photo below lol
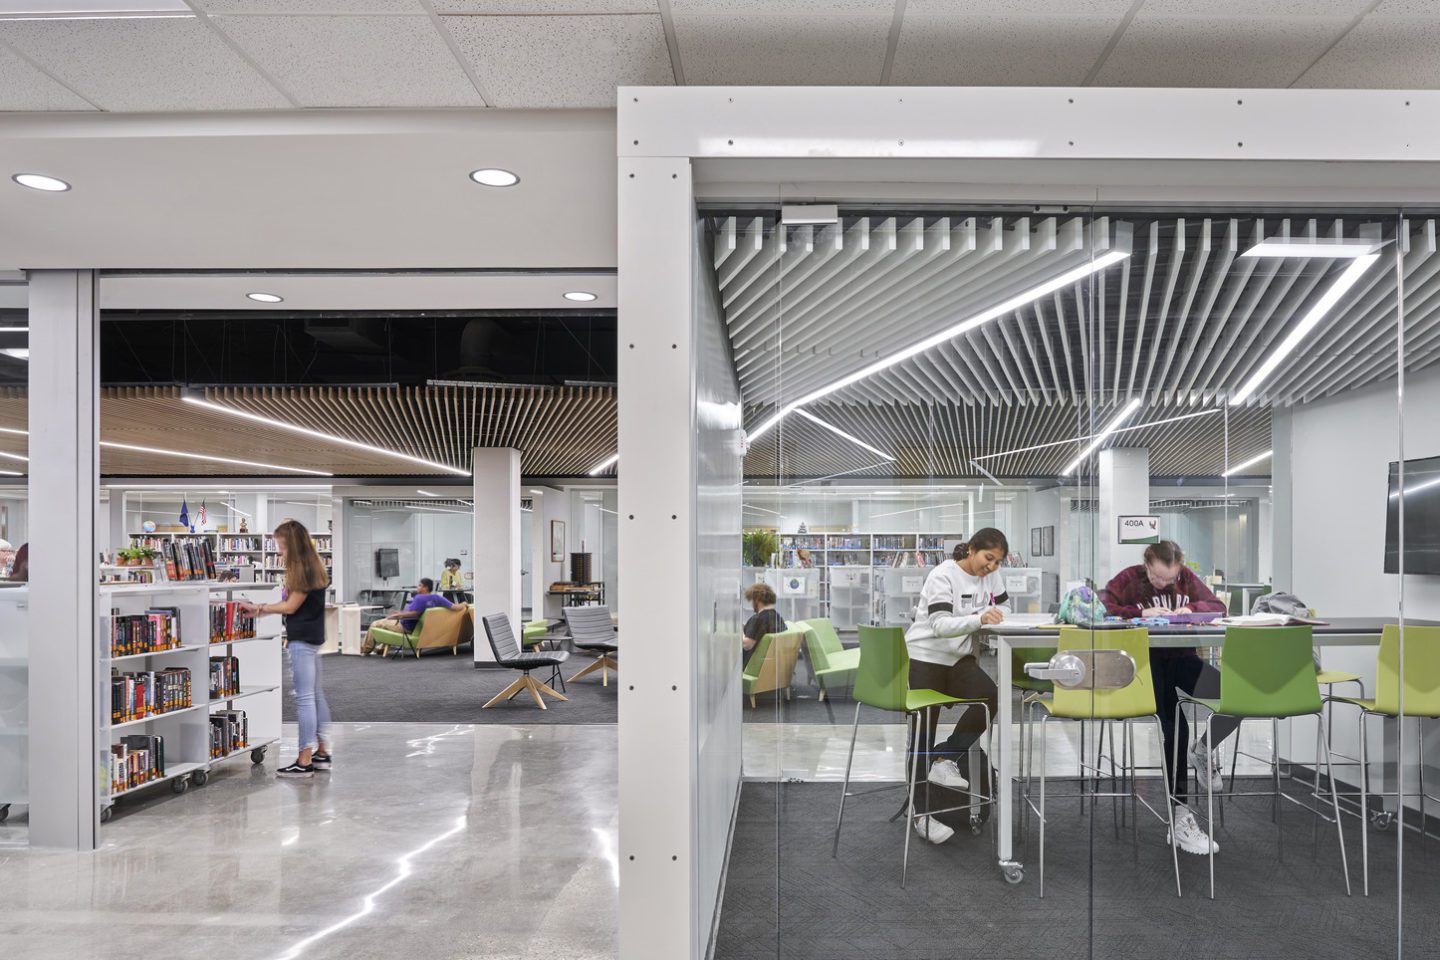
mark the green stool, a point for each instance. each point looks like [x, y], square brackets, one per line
[1421, 673]
[882, 680]
[1134, 701]
[1266, 673]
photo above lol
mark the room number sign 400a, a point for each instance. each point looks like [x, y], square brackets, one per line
[1139, 529]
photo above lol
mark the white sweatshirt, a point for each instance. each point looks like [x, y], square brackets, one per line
[949, 612]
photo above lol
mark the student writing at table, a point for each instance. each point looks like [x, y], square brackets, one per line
[959, 597]
[1160, 586]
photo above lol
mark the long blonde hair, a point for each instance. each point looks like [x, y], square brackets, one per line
[304, 570]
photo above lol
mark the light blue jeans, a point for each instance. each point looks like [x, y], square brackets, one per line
[310, 707]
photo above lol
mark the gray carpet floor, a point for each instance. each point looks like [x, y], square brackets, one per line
[440, 688]
[1279, 890]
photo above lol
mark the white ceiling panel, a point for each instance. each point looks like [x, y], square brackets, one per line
[1217, 52]
[144, 64]
[1111, 10]
[1384, 51]
[22, 87]
[948, 50]
[1213, 9]
[355, 61]
[310, 7]
[545, 61]
[782, 41]
[531, 7]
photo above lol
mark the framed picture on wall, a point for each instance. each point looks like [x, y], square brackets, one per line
[1047, 541]
[557, 541]
[1036, 544]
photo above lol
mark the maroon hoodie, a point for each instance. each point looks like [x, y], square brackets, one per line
[1130, 592]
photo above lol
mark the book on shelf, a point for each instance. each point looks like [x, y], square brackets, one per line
[154, 631]
[224, 677]
[136, 760]
[239, 544]
[148, 693]
[189, 558]
[229, 731]
[229, 621]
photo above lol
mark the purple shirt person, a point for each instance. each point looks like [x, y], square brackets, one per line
[425, 598]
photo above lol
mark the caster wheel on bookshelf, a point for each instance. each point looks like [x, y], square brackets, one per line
[1382, 820]
[257, 755]
[200, 777]
[179, 784]
[105, 813]
[4, 812]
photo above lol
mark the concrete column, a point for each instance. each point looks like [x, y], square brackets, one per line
[539, 548]
[64, 488]
[497, 540]
[1124, 491]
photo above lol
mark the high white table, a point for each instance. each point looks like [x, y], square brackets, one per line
[1339, 632]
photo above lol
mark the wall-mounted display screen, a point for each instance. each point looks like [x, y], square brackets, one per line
[1422, 517]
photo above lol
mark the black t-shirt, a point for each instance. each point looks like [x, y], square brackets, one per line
[307, 624]
[766, 621]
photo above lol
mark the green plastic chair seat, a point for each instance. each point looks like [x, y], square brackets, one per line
[883, 678]
[844, 662]
[1136, 699]
[925, 699]
[1019, 679]
[1325, 677]
[531, 633]
[1265, 672]
[1421, 674]
[833, 665]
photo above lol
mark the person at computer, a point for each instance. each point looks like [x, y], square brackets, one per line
[959, 598]
[1164, 586]
[401, 621]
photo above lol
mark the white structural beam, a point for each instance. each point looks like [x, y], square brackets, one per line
[64, 414]
[496, 475]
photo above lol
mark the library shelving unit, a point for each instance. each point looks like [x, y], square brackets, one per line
[854, 580]
[273, 569]
[187, 730]
[14, 698]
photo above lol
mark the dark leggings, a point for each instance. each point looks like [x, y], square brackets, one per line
[1185, 670]
[963, 679]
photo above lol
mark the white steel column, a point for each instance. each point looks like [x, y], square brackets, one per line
[496, 548]
[64, 486]
[539, 549]
[658, 737]
[1124, 491]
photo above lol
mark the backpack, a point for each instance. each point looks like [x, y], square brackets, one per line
[1286, 603]
[1081, 607]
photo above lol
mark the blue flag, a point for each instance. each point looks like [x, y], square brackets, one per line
[184, 513]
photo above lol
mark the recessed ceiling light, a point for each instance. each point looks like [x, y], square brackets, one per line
[580, 296]
[38, 181]
[19, 353]
[494, 177]
[265, 298]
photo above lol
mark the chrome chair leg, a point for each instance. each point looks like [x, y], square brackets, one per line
[845, 790]
[1335, 801]
[913, 722]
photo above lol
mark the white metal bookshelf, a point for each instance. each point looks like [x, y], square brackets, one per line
[187, 730]
[272, 569]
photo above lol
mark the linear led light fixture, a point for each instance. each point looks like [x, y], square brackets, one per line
[841, 433]
[604, 465]
[932, 506]
[751, 506]
[205, 456]
[15, 456]
[332, 438]
[949, 333]
[11, 473]
[987, 473]
[1092, 436]
[426, 493]
[1362, 254]
[20, 433]
[1248, 463]
[1124, 414]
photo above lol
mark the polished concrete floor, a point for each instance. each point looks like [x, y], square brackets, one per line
[426, 841]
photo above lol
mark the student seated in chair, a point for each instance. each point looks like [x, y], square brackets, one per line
[402, 620]
[766, 618]
[960, 597]
[1162, 586]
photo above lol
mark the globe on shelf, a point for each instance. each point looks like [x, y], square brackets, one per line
[148, 526]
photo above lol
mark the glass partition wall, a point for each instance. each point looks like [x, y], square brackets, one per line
[14, 532]
[1172, 418]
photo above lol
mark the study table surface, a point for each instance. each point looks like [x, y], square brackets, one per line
[1336, 631]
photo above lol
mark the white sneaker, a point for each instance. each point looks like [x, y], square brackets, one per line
[946, 773]
[1208, 774]
[933, 830]
[1188, 835]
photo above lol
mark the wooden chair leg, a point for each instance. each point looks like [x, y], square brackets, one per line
[591, 667]
[752, 702]
[546, 688]
[505, 694]
[822, 695]
[534, 689]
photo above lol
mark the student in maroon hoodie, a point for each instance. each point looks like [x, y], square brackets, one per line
[1161, 586]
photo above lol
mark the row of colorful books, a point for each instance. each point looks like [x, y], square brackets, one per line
[229, 731]
[224, 677]
[136, 760]
[149, 693]
[189, 559]
[155, 630]
[229, 622]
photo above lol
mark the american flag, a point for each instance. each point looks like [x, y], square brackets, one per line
[200, 515]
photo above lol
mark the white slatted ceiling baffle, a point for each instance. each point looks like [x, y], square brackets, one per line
[1182, 324]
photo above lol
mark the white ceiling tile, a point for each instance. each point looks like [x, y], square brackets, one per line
[1201, 52]
[1112, 10]
[811, 8]
[145, 64]
[1224, 9]
[310, 7]
[577, 7]
[22, 87]
[783, 48]
[562, 61]
[1424, 9]
[355, 61]
[983, 50]
[1382, 52]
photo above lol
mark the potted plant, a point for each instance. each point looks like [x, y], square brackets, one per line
[759, 546]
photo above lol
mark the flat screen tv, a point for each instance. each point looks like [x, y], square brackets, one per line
[1422, 517]
[387, 563]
